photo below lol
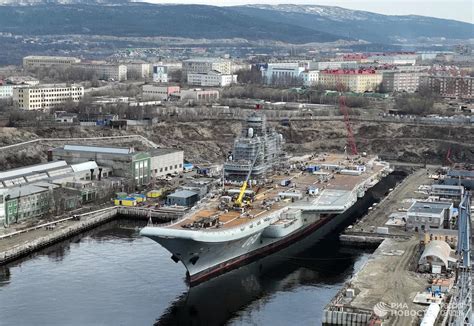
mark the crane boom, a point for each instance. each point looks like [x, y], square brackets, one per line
[239, 199]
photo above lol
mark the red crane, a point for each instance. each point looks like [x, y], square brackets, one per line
[350, 134]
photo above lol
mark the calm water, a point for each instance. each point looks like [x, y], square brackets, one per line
[111, 276]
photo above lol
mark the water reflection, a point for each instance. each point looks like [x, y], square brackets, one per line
[217, 301]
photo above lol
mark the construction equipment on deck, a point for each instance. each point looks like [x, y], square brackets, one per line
[238, 201]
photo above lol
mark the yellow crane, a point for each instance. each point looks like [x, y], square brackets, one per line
[238, 201]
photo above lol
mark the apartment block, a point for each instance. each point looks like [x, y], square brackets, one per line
[354, 80]
[310, 77]
[450, 86]
[46, 96]
[31, 62]
[139, 70]
[211, 78]
[205, 65]
[396, 81]
[106, 71]
[325, 65]
[6, 91]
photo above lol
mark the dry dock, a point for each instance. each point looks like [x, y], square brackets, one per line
[384, 218]
[385, 287]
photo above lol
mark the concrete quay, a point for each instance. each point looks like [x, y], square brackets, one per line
[388, 282]
[21, 243]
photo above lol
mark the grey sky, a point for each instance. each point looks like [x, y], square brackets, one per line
[452, 9]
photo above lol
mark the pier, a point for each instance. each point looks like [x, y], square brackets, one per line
[24, 242]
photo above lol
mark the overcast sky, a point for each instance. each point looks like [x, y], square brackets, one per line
[451, 9]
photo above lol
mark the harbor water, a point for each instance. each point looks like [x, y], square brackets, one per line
[111, 276]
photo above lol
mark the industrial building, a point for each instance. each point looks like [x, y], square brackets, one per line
[358, 81]
[159, 92]
[198, 95]
[205, 65]
[34, 61]
[46, 96]
[36, 190]
[211, 79]
[182, 198]
[125, 162]
[425, 215]
[106, 71]
[137, 167]
[166, 161]
[437, 257]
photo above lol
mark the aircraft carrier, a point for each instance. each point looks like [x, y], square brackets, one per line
[269, 201]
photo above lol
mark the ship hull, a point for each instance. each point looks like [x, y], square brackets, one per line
[204, 260]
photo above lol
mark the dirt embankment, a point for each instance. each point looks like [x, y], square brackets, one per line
[209, 141]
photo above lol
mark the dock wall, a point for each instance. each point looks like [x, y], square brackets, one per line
[86, 222]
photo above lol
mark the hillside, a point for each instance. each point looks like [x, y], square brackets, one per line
[142, 19]
[360, 24]
[285, 23]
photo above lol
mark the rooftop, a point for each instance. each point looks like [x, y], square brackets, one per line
[429, 207]
[96, 149]
[164, 151]
[33, 168]
[206, 60]
[183, 194]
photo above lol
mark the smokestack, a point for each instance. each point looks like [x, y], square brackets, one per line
[92, 174]
[100, 174]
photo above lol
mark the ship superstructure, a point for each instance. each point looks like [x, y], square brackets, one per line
[256, 140]
[312, 194]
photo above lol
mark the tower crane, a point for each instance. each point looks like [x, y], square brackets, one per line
[350, 134]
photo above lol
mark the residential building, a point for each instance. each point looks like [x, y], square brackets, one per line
[211, 78]
[328, 65]
[140, 70]
[310, 77]
[160, 74]
[397, 81]
[424, 215]
[106, 71]
[43, 97]
[160, 92]
[197, 94]
[34, 61]
[358, 81]
[125, 162]
[451, 86]
[166, 161]
[204, 65]
[6, 91]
